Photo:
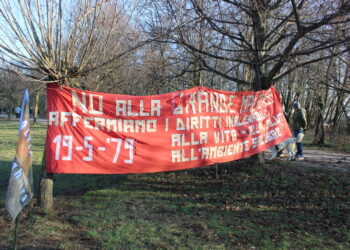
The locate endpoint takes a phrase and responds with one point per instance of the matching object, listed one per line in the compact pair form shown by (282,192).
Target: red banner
(99,133)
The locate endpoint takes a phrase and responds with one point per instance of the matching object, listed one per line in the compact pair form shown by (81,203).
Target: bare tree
(55,41)
(261,40)
(337,81)
(60,41)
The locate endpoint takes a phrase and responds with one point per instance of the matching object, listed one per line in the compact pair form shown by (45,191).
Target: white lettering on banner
(276,119)
(189,139)
(75,119)
(269,136)
(104,124)
(222,104)
(68,142)
(239,120)
(127,108)
(257,141)
(120,107)
(225,136)
(155,107)
(129,145)
(117,150)
(264,100)
(64,117)
(181,124)
(247,104)
(77,102)
(53,118)
(191,103)
(142,112)
(119,125)
(273,135)
(177,110)
(191,154)
(87,120)
(251,103)
(231,103)
(203,102)
(198,122)
(100,123)
(81,103)
(130,112)
(205,153)
(179,155)
(65,143)
(89,148)
(57,141)
(100,105)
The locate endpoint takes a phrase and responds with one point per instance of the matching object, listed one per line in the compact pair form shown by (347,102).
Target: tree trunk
(260,83)
(45,192)
(36,107)
(319,126)
(258,159)
(9,112)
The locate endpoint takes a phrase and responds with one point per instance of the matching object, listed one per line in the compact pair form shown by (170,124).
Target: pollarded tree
(60,41)
(55,41)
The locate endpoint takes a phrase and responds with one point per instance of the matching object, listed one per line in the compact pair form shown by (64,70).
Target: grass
(8,144)
(272,207)
(333,142)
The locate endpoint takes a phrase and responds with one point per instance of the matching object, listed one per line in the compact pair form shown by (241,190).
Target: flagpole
(16,233)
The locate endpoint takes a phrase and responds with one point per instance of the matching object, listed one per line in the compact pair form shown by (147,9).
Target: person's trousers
(299,145)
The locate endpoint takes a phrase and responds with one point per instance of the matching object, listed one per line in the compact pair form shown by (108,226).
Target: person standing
(299,126)
(18,111)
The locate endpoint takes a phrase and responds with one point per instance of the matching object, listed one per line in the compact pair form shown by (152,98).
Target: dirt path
(325,160)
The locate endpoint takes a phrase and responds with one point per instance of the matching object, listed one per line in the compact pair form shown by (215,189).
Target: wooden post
(45,192)
(258,159)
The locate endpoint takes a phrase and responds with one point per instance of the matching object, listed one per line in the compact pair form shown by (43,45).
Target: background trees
(227,44)
(11,85)
(253,43)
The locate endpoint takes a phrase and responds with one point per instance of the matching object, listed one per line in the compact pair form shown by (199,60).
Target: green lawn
(336,142)
(272,207)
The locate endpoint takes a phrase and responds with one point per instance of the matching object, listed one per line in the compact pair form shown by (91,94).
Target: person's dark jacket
(299,119)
